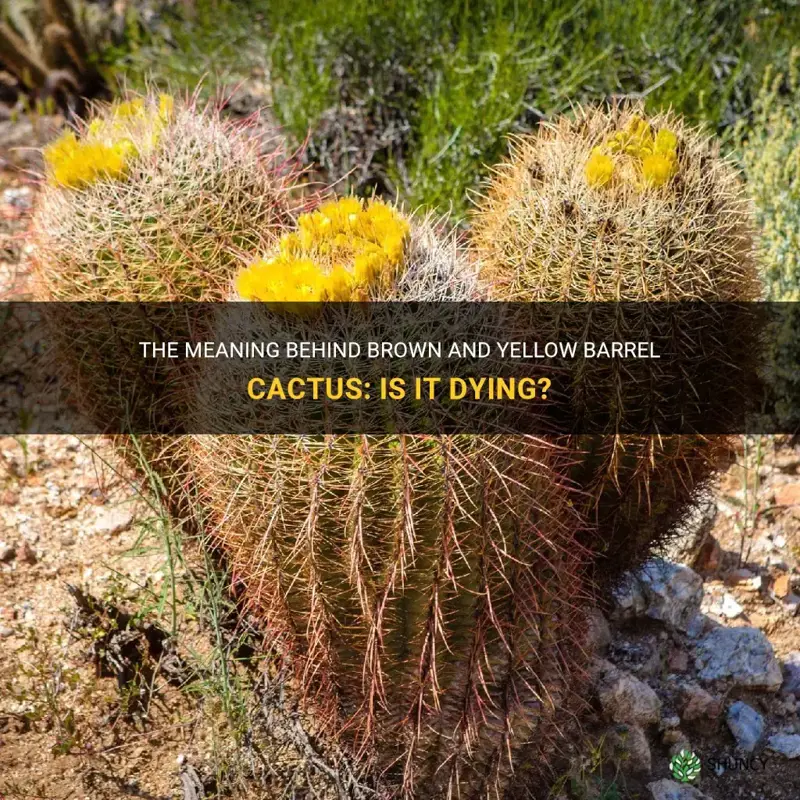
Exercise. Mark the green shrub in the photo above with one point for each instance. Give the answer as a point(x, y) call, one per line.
point(416, 97)
point(771, 158)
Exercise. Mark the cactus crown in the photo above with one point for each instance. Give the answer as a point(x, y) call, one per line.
point(157, 200)
point(339, 252)
point(647, 159)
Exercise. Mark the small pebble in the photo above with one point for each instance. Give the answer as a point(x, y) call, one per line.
point(25, 554)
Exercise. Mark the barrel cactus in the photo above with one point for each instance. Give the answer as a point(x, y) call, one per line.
point(152, 199)
point(612, 206)
point(424, 589)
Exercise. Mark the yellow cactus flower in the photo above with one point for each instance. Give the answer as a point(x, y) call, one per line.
point(108, 144)
point(635, 140)
point(339, 252)
point(74, 164)
point(599, 169)
point(654, 158)
point(657, 169)
point(340, 284)
point(666, 142)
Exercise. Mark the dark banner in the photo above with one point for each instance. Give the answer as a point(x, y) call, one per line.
point(656, 368)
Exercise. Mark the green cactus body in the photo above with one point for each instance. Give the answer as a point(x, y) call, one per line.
point(423, 589)
point(612, 207)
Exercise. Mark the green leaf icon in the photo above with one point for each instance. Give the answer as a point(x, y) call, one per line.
point(685, 766)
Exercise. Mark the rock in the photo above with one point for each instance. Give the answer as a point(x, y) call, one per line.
point(9, 498)
point(25, 554)
point(791, 603)
point(67, 540)
point(698, 704)
point(698, 625)
point(670, 790)
point(598, 634)
point(629, 748)
point(788, 462)
point(743, 655)
point(791, 671)
point(678, 660)
point(753, 585)
point(629, 601)
point(786, 744)
point(672, 737)
point(746, 725)
point(6, 632)
point(661, 590)
point(726, 606)
point(111, 521)
point(673, 592)
point(7, 553)
point(782, 586)
point(788, 494)
point(624, 698)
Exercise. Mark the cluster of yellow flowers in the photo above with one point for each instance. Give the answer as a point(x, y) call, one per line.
point(106, 148)
point(337, 253)
point(655, 157)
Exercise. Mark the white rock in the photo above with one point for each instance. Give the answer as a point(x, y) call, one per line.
point(660, 590)
point(624, 698)
point(725, 606)
point(743, 655)
point(111, 521)
point(754, 584)
point(786, 744)
point(746, 725)
point(670, 790)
